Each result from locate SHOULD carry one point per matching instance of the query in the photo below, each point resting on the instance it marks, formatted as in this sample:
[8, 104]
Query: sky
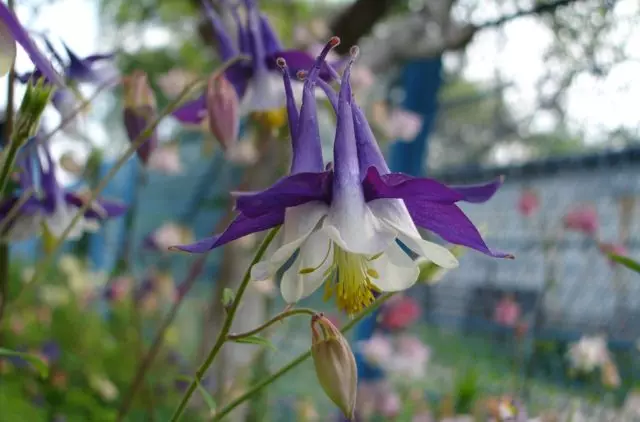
[594, 104]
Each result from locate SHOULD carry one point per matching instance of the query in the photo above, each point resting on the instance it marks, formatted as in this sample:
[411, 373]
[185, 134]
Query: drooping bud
[223, 110]
[140, 110]
[335, 364]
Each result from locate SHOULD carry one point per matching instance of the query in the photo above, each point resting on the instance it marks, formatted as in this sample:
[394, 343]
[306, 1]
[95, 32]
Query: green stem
[279, 317]
[295, 362]
[226, 327]
[4, 178]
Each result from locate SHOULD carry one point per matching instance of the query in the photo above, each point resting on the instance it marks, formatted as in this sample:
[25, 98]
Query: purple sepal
[135, 122]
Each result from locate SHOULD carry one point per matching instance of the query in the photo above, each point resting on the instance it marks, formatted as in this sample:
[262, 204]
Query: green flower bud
[33, 104]
[335, 364]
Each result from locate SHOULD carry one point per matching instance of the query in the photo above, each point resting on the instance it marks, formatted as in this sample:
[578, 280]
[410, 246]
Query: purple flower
[51, 205]
[256, 81]
[12, 32]
[348, 228]
[51, 351]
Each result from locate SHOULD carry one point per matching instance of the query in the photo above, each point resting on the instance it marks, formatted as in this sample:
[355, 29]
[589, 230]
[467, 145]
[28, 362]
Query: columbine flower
[166, 159]
[376, 350]
[52, 207]
[256, 81]
[403, 125]
[349, 227]
[12, 32]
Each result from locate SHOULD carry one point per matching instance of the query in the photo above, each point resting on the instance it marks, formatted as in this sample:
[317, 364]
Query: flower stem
[6, 170]
[295, 362]
[279, 317]
[226, 327]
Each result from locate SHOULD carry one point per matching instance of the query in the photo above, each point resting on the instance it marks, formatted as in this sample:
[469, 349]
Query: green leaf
[260, 341]
[626, 261]
[211, 403]
[34, 360]
[228, 296]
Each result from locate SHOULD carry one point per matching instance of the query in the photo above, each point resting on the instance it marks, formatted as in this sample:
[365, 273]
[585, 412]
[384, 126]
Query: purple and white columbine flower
[256, 80]
[349, 227]
[50, 206]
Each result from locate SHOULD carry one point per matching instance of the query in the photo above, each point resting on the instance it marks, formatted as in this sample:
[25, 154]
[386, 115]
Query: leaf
[39, 364]
[260, 341]
[626, 261]
[228, 296]
[211, 403]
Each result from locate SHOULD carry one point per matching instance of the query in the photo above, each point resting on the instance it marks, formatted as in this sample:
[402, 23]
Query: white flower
[589, 353]
[104, 387]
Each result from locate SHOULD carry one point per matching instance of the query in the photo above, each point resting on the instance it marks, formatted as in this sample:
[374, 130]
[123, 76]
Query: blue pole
[421, 80]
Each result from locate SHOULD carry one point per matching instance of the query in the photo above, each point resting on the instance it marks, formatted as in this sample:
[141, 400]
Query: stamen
[373, 273]
[310, 269]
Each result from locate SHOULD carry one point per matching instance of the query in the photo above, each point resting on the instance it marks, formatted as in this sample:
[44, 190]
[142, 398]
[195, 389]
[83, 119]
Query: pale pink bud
[223, 110]
[335, 364]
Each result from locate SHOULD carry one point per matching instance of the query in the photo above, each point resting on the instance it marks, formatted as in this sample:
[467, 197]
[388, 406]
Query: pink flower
[403, 125]
[400, 313]
[528, 203]
[362, 78]
[166, 159]
[119, 289]
[377, 350]
[614, 249]
[410, 358]
[390, 405]
[584, 220]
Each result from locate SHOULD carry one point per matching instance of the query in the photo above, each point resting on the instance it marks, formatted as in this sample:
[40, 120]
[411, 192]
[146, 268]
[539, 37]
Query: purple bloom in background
[256, 80]
[51, 351]
[51, 205]
[12, 32]
[348, 228]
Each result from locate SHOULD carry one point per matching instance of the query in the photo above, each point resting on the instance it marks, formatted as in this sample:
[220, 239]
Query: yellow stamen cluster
[350, 279]
[272, 119]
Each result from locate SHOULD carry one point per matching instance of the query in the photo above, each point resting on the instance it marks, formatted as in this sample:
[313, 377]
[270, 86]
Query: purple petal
[192, 112]
[22, 37]
[400, 185]
[477, 194]
[288, 192]
[296, 61]
[449, 222]
[239, 74]
[136, 122]
[102, 209]
[225, 45]
[241, 226]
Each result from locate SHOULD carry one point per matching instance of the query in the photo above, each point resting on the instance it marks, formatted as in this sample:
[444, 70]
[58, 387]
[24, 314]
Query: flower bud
[140, 110]
[335, 364]
[33, 104]
[223, 108]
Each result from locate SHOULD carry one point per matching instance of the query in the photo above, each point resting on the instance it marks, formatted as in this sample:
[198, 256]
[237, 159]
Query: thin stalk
[279, 317]
[6, 170]
[224, 332]
[295, 362]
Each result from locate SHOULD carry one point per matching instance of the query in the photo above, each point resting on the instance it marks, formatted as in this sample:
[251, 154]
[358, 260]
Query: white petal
[265, 92]
[25, 227]
[299, 223]
[291, 285]
[302, 219]
[439, 255]
[7, 50]
[396, 270]
[316, 253]
[355, 229]
[394, 213]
